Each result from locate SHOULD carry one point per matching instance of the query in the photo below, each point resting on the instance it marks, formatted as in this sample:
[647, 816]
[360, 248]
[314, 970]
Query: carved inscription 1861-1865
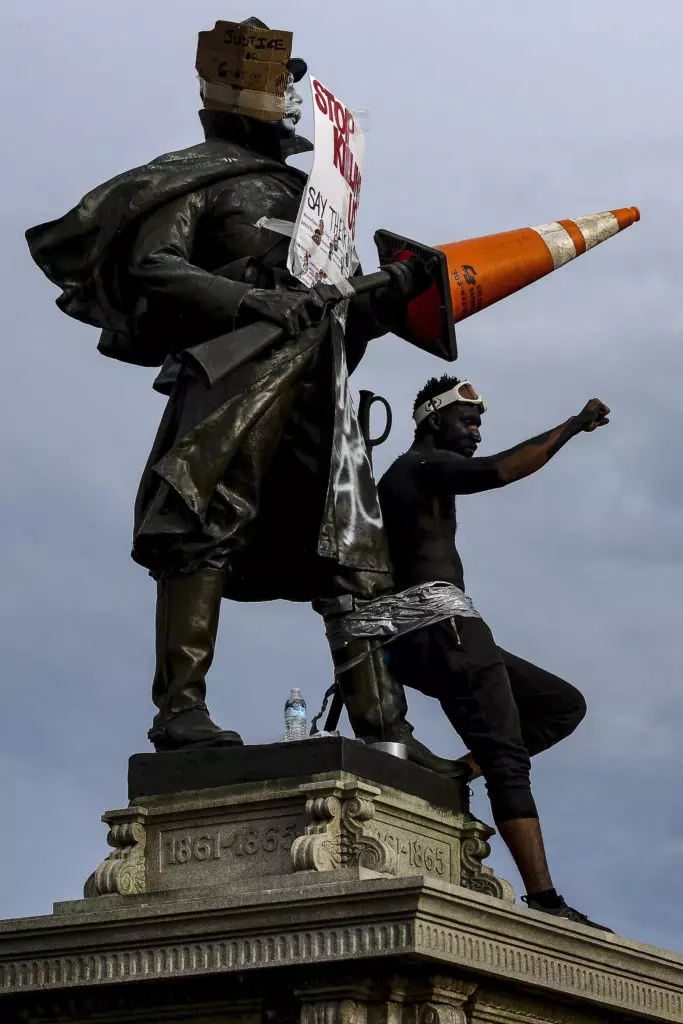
[423, 854]
[215, 844]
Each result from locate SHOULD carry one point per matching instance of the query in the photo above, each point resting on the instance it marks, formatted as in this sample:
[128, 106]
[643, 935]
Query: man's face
[458, 429]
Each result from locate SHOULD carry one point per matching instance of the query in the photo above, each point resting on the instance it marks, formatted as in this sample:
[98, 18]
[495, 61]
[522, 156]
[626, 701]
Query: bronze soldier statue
[243, 496]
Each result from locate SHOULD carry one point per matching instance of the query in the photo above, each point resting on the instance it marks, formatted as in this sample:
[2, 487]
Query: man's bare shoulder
[415, 460]
[400, 477]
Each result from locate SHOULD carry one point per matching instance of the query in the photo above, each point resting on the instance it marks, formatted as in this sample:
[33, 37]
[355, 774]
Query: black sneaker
[566, 912]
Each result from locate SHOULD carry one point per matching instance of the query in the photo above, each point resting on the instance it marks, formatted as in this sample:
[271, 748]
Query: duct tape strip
[394, 615]
[559, 242]
[249, 99]
[282, 227]
[345, 288]
[597, 227]
[360, 114]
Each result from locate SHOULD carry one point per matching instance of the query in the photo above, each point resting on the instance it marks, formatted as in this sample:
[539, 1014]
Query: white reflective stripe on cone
[559, 242]
[596, 227]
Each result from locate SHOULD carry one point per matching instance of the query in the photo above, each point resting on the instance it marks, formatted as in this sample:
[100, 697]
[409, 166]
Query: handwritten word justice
[254, 40]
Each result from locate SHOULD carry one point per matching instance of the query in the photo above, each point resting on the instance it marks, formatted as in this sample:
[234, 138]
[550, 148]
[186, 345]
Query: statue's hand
[409, 278]
[594, 414]
[293, 311]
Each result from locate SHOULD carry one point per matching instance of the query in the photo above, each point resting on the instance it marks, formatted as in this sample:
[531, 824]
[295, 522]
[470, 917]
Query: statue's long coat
[265, 473]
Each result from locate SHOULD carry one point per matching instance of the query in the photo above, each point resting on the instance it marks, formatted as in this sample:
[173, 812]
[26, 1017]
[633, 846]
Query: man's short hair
[434, 386]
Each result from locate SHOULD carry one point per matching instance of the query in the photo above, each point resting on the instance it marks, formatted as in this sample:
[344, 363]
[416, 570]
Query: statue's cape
[78, 252]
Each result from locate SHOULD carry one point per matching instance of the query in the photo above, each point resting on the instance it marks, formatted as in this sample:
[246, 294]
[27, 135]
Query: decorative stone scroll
[123, 871]
[474, 874]
[336, 836]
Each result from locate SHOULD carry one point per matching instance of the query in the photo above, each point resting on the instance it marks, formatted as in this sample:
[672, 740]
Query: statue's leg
[376, 704]
[188, 608]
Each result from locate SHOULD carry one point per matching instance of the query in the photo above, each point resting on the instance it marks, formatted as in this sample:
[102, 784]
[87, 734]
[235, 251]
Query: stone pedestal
[241, 815]
[312, 883]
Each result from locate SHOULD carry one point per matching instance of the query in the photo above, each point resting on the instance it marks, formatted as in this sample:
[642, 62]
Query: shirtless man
[504, 709]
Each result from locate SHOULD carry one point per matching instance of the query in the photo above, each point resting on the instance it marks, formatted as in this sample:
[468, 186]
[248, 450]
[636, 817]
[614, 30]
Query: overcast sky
[482, 118]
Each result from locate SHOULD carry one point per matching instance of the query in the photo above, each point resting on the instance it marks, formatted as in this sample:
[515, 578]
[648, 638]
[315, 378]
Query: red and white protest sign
[323, 244]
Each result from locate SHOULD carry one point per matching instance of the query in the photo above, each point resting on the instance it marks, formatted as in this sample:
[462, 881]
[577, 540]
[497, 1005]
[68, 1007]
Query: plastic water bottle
[295, 716]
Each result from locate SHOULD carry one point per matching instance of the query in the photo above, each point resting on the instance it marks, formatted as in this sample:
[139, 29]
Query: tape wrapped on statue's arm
[194, 303]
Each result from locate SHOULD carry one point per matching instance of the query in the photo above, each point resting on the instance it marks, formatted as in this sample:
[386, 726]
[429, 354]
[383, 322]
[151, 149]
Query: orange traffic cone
[483, 270]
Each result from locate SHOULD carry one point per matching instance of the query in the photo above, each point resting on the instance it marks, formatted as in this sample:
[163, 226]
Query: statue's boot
[188, 608]
[376, 704]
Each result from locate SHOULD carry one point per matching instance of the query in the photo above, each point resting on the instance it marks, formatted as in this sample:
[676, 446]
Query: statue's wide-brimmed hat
[296, 65]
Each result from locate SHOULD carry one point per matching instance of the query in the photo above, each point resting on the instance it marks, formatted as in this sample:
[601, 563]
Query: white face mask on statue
[293, 106]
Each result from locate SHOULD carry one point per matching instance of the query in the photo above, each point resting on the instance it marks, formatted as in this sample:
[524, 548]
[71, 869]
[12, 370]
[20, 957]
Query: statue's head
[294, 103]
[246, 68]
[450, 410]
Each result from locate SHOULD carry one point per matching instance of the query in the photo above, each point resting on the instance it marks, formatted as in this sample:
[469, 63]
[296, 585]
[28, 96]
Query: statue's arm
[171, 287]
[372, 315]
[366, 321]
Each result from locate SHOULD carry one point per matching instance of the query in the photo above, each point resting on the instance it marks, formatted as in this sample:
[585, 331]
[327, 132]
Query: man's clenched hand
[594, 414]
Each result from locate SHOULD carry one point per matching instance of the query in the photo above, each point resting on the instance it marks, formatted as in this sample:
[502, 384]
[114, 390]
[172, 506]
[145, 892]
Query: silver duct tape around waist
[394, 615]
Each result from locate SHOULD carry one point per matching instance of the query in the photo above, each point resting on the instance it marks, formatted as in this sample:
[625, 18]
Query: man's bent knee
[575, 710]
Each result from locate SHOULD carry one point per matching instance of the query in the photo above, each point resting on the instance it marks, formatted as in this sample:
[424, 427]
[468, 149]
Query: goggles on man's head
[464, 392]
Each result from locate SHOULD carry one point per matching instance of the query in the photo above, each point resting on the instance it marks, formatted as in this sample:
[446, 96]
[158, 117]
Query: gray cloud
[499, 117]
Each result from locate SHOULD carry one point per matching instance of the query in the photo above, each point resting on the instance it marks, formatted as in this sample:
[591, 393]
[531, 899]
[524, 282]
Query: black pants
[504, 708]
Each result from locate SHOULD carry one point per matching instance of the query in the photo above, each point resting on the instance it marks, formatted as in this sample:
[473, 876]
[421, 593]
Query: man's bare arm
[445, 472]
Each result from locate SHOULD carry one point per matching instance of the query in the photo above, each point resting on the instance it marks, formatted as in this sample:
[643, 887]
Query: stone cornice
[309, 921]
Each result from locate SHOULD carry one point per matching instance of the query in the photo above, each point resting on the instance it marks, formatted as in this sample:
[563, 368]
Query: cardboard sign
[323, 244]
[243, 69]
